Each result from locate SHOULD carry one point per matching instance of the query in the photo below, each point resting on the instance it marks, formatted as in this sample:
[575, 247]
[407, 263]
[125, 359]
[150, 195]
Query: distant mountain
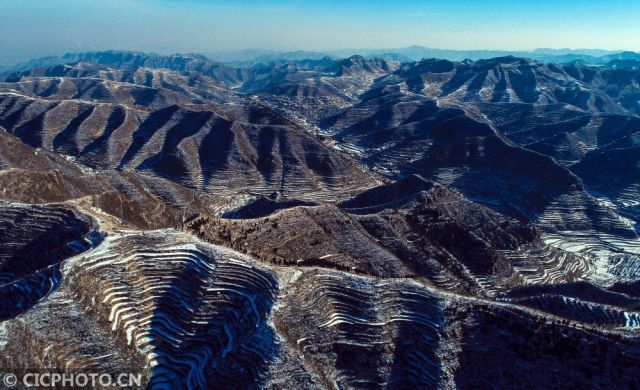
[134, 60]
[358, 64]
[241, 56]
[416, 53]
[216, 62]
[391, 57]
[248, 58]
[589, 52]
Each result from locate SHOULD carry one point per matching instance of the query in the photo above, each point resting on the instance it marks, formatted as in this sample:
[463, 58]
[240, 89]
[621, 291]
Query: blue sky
[32, 28]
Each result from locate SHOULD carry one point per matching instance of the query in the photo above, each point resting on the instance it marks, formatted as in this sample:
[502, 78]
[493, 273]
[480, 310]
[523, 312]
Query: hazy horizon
[40, 28]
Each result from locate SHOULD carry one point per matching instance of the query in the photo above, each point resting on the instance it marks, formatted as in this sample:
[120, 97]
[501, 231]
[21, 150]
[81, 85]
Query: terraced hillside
[35, 240]
[321, 223]
[431, 232]
[174, 142]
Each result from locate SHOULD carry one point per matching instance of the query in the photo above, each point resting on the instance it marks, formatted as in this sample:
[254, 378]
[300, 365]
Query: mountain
[163, 131]
[247, 58]
[251, 57]
[318, 222]
[134, 60]
[417, 53]
[359, 64]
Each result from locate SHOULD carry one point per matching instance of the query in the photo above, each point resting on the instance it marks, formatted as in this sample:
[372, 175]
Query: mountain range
[399, 219]
[417, 53]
